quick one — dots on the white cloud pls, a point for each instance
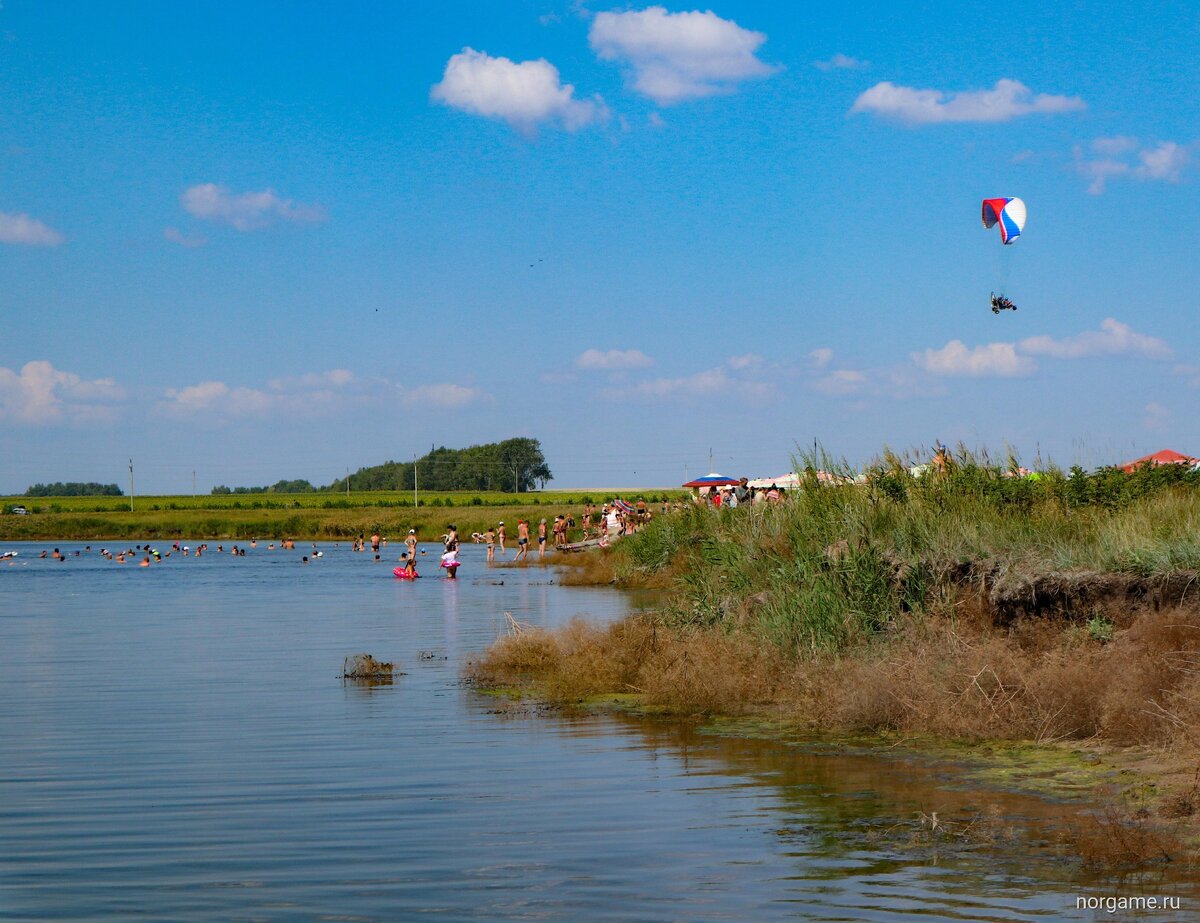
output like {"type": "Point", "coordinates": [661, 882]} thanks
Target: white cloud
{"type": "Point", "coordinates": [247, 211]}
{"type": "Point", "coordinates": [304, 396]}
{"type": "Point", "coordinates": [1008, 99]}
{"type": "Point", "coordinates": [819, 358]}
{"type": "Point", "coordinates": [217, 398]}
{"type": "Point", "coordinates": [41, 394]}
{"type": "Point", "coordinates": [748, 361]}
{"type": "Point", "coordinates": [1165, 162]}
{"type": "Point", "coordinates": [448, 395]}
{"type": "Point", "coordinates": [1155, 417]}
{"type": "Point", "coordinates": [714, 383]}
{"type": "Point", "coordinates": [522, 94]}
{"type": "Point", "coordinates": [842, 62]}
{"type": "Point", "coordinates": [176, 236]}
{"type": "Point", "coordinates": [841, 382]}
{"type": "Point", "coordinates": [995, 360]}
{"type": "Point", "coordinates": [1108, 158]}
{"type": "Point", "coordinates": [1119, 144]}
{"type": "Point", "coordinates": [1190, 372]}
{"type": "Point", "coordinates": [1112, 339]}
{"type": "Point", "coordinates": [593, 360]}
{"type": "Point", "coordinates": [679, 56]}
{"type": "Point", "coordinates": [21, 229]}
{"type": "Point", "coordinates": [334, 378]}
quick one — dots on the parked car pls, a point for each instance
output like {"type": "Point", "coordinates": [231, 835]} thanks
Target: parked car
{"type": "Point", "coordinates": [19, 511]}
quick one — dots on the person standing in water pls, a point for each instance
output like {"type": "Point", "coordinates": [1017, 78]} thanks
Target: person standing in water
{"type": "Point", "coordinates": [522, 540]}
{"type": "Point", "coordinates": [541, 539]}
{"type": "Point", "coordinates": [450, 558]}
{"type": "Point", "coordinates": [490, 537]}
{"type": "Point", "coordinates": [410, 545]}
{"type": "Point", "coordinates": [501, 536]}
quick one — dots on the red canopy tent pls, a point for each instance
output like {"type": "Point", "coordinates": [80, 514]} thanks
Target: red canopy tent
{"type": "Point", "coordinates": [1163, 457]}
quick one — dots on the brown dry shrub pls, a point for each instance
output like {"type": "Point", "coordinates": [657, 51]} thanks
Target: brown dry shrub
{"type": "Point", "coordinates": [936, 676]}
{"type": "Point", "coordinates": [707, 672]}
{"type": "Point", "coordinates": [592, 568]}
{"type": "Point", "coordinates": [515, 657]}
{"type": "Point", "coordinates": [1153, 693]}
{"type": "Point", "coordinates": [1119, 840]}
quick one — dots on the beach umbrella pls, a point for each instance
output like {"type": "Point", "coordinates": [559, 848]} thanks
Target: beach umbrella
{"type": "Point", "coordinates": [712, 480]}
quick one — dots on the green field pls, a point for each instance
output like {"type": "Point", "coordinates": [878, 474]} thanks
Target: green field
{"type": "Point", "coordinates": [300, 516]}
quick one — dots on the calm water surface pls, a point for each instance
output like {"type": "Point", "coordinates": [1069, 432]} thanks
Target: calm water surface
{"type": "Point", "coordinates": [176, 743]}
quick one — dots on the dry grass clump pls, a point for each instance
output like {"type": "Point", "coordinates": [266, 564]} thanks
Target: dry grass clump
{"type": "Point", "coordinates": [1053, 683]}
{"type": "Point", "coordinates": [1116, 839]}
{"type": "Point", "coordinates": [594, 568]}
{"type": "Point", "coordinates": [364, 666]}
{"type": "Point", "coordinates": [938, 676]}
{"type": "Point", "coordinates": [695, 672]}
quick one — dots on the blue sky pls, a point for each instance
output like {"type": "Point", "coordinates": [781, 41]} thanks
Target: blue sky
{"type": "Point", "coordinates": [276, 240]}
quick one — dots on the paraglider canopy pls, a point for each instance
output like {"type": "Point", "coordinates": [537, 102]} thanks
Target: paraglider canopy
{"type": "Point", "coordinates": [1009, 213]}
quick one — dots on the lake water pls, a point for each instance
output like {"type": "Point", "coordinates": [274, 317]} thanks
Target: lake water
{"type": "Point", "coordinates": [176, 743]}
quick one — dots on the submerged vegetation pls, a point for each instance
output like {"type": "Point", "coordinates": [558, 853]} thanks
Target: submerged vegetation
{"type": "Point", "coordinates": [972, 602]}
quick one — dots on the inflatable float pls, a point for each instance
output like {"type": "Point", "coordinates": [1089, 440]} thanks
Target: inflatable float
{"type": "Point", "coordinates": [402, 574]}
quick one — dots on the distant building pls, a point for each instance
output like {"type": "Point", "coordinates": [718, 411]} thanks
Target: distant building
{"type": "Point", "coordinates": [1162, 457]}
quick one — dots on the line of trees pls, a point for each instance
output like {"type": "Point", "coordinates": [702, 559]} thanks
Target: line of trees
{"type": "Point", "coordinates": [299, 486]}
{"type": "Point", "coordinates": [74, 489]}
{"type": "Point", "coordinates": [513, 466]}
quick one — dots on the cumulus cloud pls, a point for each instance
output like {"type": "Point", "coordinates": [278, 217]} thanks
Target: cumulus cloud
{"type": "Point", "coordinates": [247, 211]}
{"type": "Point", "coordinates": [41, 394]}
{"type": "Point", "coordinates": [819, 358]}
{"type": "Point", "coordinates": [216, 397]}
{"type": "Point", "coordinates": [522, 94]}
{"type": "Point", "coordinates": [841, 382]}
{"type": "Point", "coordinates": [1112, 339]}
{"type": "Point", "coordinates": [679, 56]}
{"type": "Point", "coordinates": [1008, 99]}
{"type": "Point", "coordinates": [176, 236]}
{"type": "Point", "coordinates": [712, 383]}
{"type": "Point", "coordinates": [995, 360]}
{"type": "Point", "coordinates": [304, 396]}
{"type": "Point", "coordinates": [1190, 372]}
{"type": "Point", "coordinates": [21, 229]}
{"type": "Point", "coordinates": [841, 62]}
{"type": "Point", "coordinates": [595, 360]}
{"type": "Point", "coordinates": [748, 361]}
{"type": "Point", "coordinates": [1164, 162]}
{"type": "Point", "coordinates": [1105, 159]}
{"type": "Point", "coordinates": [446, 395]}
{"type": "Point", "coordinates": [314, 381]}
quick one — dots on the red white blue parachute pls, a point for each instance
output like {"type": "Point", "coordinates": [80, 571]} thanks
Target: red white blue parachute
{"type": "Point", "coordinates": [1009, 213]}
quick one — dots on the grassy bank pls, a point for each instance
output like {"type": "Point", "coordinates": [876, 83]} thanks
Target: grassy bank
{"type": "Point", "coordinates": [314, 516]}
{"type": "Point", "coordinates": [967, 604]}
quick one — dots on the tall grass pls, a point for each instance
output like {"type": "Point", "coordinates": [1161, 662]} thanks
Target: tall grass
{"type": "Point", "coordinates": [839, 564]}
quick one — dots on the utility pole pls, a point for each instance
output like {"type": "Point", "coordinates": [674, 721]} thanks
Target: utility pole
{"type": "Point", "coordinates": [347, 482]}
{"type": "Point", "coordinates": [414, 480]}
{"type": "Point", "coordinates": [710, 467]}
{"type": "Point", "coordinates": [131, 485]}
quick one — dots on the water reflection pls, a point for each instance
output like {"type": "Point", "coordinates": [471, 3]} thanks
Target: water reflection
{"type": "Point", "coordinates": [176, 742]}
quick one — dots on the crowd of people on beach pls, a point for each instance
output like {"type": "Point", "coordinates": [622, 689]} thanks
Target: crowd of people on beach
{"type": "Point", "coordinates": [598, 525]}
{"type": "Point", "coordinates": [740, 494]}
